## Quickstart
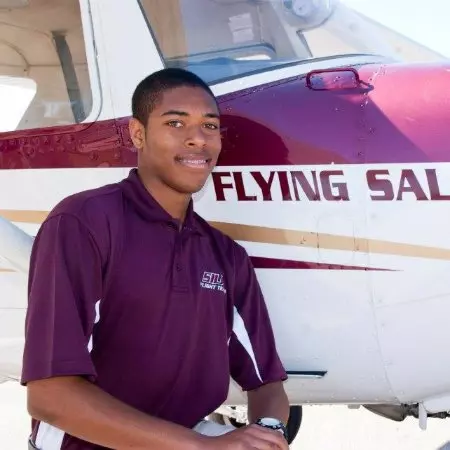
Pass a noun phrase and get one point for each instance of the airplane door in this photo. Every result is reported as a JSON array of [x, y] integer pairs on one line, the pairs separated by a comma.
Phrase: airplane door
[[51, 129]]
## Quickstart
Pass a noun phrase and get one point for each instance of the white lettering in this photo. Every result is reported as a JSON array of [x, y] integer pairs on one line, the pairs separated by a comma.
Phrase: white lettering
[[213, 281]]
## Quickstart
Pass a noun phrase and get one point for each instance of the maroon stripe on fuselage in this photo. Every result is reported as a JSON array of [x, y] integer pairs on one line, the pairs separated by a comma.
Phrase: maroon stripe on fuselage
[[399, 115], [105, 144]]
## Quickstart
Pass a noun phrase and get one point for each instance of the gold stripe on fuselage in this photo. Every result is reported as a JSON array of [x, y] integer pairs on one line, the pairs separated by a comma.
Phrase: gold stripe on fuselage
[[24, 216], [250, 233], [265, 235]]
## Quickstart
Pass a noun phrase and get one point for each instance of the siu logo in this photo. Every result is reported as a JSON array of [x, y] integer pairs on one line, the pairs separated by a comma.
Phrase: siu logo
[[213, 281]]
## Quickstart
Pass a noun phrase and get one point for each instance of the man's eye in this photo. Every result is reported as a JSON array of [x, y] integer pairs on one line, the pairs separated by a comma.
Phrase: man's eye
[[211, 126], [175, 123]]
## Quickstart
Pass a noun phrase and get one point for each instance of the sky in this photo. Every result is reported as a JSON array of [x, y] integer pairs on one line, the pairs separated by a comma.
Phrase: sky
[[425, 21]]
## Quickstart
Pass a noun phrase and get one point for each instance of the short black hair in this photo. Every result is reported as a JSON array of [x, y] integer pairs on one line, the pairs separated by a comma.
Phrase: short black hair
[[149, 90]]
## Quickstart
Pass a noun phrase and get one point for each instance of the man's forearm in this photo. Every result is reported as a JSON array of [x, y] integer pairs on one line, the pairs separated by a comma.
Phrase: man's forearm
[[268, 401], [83, 410]]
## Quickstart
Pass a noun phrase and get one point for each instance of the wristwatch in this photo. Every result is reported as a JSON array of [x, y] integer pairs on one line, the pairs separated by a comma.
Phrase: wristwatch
[[273, 424]]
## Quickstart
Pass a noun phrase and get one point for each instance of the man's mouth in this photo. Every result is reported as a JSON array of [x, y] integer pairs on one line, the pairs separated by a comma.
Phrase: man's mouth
[[194, 162]]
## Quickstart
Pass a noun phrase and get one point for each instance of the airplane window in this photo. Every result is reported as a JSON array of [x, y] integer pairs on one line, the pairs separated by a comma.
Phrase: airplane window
[[43, 68], [221, 39], [17, 95]]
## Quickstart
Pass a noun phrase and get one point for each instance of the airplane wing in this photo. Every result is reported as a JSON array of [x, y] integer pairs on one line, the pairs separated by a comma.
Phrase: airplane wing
[[15, 249]]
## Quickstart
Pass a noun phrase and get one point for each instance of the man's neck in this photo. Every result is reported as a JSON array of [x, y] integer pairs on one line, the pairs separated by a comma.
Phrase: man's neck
[[175, 203]]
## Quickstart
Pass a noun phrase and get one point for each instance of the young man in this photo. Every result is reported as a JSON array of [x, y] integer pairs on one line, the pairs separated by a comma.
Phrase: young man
[[139, 311]]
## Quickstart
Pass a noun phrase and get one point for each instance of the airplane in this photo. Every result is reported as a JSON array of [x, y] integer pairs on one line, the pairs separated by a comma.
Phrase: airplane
[[335, 130]]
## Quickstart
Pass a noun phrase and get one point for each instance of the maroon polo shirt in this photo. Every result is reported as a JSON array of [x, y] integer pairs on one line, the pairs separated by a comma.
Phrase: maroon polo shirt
[[159, 318]]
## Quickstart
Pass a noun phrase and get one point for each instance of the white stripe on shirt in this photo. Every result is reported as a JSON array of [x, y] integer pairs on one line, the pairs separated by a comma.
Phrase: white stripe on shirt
[[242, 335], [49, 437]]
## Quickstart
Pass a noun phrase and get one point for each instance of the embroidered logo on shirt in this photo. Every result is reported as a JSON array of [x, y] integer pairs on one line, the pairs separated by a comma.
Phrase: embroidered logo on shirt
[[213, 281]]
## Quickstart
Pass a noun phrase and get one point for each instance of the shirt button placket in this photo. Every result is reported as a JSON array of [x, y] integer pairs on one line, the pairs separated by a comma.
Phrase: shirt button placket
[[179, 278]]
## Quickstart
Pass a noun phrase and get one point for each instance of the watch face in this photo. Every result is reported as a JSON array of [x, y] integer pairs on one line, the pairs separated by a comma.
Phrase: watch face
[[270, 422]]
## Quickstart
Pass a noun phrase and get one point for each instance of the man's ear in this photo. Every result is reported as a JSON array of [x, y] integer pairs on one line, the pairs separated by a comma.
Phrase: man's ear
[[137, 133]]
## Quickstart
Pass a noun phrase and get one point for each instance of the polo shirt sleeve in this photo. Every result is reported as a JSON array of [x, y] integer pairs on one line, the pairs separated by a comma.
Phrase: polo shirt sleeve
[[64, 286], [254, 360]]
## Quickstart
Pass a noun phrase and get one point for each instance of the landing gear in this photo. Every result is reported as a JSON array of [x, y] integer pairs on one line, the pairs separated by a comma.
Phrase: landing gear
[[237, 416], [401, 412]]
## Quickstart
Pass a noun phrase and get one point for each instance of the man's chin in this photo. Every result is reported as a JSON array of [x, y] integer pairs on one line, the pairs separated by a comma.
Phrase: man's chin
[[189, 188]]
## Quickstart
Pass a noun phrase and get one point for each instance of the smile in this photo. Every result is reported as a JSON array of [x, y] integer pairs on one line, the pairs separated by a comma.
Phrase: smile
[[194, 163]]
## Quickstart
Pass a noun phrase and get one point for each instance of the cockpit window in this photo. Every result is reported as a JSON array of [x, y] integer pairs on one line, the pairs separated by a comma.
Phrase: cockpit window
[[44, 74], [221, 39]]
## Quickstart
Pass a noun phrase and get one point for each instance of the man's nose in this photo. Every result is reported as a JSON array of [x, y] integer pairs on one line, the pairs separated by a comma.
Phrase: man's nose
[[195, 137]]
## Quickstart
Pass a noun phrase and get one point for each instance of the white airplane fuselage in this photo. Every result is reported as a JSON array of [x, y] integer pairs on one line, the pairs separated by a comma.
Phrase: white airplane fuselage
[[340, 196]]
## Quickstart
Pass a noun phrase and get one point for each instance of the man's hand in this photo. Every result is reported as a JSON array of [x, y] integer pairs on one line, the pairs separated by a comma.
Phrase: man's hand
[[251, 437]]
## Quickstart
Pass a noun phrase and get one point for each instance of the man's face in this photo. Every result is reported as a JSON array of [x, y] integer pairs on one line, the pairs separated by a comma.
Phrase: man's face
[[181, 141]]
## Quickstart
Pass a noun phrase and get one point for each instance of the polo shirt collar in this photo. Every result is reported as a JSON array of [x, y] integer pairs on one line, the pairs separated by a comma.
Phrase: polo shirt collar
[[150, 209]]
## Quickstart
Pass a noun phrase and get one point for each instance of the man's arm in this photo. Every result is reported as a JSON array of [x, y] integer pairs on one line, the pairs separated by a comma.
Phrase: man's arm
[[269, 400], [83, 410], [65, 291], [254, 360]]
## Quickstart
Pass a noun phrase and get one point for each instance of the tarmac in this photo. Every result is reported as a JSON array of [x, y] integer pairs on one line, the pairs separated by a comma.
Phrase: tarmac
[[323, 428]]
